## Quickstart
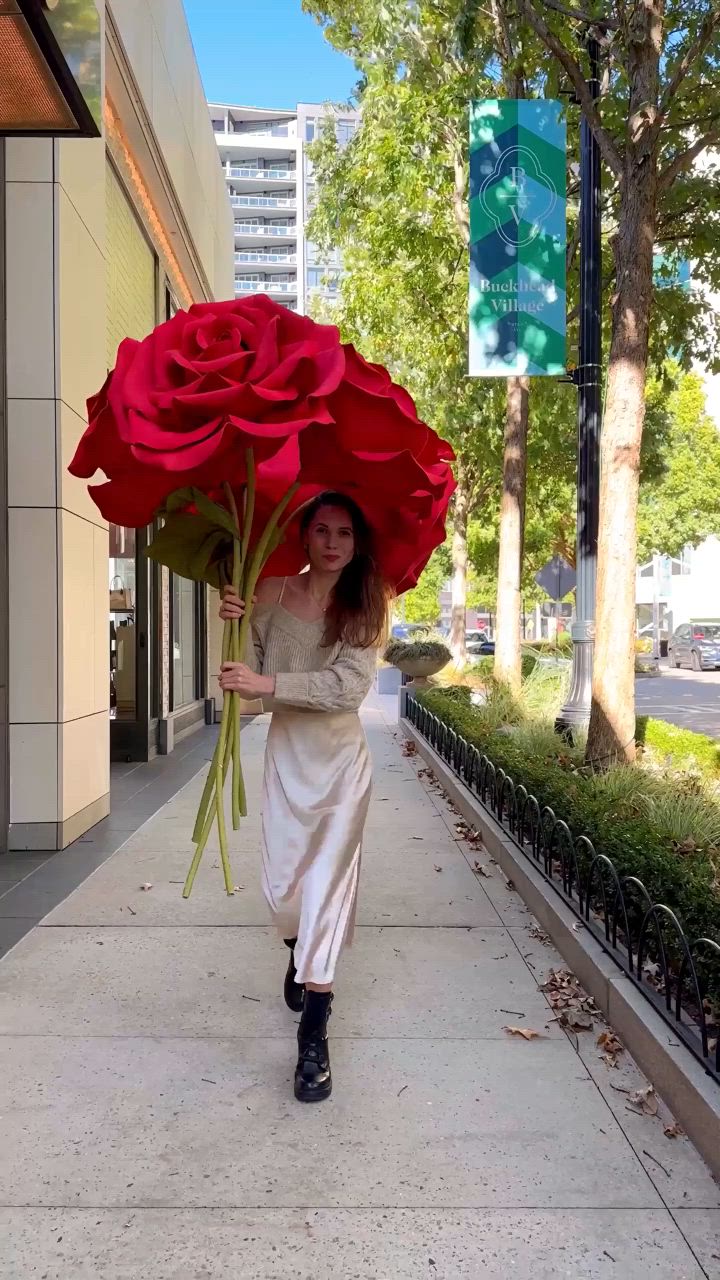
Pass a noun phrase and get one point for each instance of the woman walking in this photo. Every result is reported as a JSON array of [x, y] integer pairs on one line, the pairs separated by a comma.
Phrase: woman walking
[[313, 659]]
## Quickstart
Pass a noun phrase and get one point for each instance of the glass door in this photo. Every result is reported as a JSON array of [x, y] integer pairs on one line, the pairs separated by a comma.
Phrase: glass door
[[128, 628]]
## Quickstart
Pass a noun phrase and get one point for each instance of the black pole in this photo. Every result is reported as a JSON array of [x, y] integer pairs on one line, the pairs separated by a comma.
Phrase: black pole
[[588, 377]]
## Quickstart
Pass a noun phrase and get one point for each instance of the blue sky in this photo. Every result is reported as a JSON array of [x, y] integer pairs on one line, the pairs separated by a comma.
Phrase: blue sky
[[265, 53]]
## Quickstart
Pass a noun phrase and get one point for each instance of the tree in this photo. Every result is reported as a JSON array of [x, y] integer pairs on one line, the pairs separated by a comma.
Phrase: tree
[[682, 507], [660, 112], [508, 42], [395, 201], [423, 603]]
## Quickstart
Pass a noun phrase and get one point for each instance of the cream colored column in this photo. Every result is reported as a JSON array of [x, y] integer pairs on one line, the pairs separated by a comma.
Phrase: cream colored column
[[58, 544]]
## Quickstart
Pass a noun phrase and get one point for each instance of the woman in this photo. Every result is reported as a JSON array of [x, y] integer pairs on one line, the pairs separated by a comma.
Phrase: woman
[[313, 660]]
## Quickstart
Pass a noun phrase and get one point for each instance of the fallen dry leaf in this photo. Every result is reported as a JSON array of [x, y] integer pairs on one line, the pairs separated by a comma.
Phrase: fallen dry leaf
[[482, 871], [525, 1032], [537, 933], [577, 1019], [409, 748], [611, 1046], [438, 868], [644, 1101], [146, 887], [673, 1130]]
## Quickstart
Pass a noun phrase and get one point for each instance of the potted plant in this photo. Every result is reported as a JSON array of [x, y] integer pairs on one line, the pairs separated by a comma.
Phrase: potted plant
[[418, 659], [646, 664]]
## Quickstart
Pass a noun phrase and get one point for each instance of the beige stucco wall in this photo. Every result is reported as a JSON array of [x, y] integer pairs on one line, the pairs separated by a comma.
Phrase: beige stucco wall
[[58, 543], [157, 41], [57, 273]]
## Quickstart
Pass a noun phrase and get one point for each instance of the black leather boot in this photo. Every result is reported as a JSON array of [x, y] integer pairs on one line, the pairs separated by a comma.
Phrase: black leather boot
[[313, 1080], [294, 991]]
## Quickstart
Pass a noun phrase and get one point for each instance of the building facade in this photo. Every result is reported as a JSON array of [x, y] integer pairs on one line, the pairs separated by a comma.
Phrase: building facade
[[269, 177], [103, 238]]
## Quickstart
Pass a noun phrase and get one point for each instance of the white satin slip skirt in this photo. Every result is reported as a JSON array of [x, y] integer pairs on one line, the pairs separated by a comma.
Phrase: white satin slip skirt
[[316, 792]]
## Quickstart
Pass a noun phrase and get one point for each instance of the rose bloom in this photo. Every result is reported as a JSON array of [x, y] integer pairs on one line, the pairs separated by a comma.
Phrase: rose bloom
[[183, 406]]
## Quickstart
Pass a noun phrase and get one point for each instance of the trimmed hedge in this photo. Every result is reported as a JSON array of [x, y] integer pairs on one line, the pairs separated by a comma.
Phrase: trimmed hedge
[[689, 883]]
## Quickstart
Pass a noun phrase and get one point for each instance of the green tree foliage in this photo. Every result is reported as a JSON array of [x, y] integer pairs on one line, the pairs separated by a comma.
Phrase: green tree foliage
[[658, 115], [682, 505], [395, 201], [423, 604]]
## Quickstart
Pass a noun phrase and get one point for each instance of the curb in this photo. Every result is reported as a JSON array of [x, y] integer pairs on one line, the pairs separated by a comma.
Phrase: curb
[[691, 1094]]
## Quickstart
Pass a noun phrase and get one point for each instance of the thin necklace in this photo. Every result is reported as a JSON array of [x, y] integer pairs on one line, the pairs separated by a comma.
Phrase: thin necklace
[[322, 607]]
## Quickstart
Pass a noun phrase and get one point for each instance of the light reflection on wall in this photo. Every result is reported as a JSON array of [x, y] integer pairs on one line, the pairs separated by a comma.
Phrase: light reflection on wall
[[115, 131]]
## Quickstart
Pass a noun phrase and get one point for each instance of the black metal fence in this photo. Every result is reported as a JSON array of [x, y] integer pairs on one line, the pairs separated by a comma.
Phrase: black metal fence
[[645, 938]]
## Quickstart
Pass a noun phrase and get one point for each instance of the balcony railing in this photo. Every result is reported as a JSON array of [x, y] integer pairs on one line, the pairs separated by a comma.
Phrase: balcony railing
[[266, 175], [257, 255], [252, 130], [265, 286], [276, 229], [264, 202]]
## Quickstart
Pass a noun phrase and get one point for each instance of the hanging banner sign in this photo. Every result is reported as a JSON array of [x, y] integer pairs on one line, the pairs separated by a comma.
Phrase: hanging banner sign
[[517, 238]]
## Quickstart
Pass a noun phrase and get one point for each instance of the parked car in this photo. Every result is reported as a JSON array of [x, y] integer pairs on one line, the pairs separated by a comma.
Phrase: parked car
[[479, 645], [696, 645], [406, 630]]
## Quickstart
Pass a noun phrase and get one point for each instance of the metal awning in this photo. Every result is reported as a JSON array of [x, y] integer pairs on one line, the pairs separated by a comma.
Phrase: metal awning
[[50, 68]]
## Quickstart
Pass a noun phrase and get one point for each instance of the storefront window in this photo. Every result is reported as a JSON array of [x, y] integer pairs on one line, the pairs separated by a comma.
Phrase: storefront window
[[123, 623], [184, 638]]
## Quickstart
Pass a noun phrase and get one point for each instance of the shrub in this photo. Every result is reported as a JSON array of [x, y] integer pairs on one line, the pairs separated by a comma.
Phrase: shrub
[[545, 689], [650, 826]]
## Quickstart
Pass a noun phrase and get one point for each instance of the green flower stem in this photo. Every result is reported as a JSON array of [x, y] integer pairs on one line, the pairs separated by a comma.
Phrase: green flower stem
[[225, 729], [210, 780], [264, 548], [240, 550], [235, 639], [204, 834]]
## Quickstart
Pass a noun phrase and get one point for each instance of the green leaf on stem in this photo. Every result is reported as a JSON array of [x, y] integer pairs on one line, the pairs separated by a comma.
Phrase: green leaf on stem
[[193, 547], [212, 511]]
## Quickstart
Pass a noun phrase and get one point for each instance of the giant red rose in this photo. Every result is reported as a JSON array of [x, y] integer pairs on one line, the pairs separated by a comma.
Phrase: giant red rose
[[182, 407], [185, 411], [378, 452]]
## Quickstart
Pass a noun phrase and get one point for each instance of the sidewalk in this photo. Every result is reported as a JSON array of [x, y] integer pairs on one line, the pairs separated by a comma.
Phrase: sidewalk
[[146, 1061]]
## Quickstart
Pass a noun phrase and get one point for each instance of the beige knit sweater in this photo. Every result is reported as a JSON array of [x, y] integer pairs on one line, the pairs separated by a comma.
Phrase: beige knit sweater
[[308, 676]]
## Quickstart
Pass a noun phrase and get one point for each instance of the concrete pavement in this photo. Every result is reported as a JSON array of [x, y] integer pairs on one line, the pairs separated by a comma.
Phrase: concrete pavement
[[146, 1062]]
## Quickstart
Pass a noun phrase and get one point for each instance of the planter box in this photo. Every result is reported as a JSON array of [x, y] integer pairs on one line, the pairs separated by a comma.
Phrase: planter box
[[388, 680]]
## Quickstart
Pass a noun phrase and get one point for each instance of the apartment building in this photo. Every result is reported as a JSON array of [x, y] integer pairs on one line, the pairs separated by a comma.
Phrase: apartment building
[[271, 184]]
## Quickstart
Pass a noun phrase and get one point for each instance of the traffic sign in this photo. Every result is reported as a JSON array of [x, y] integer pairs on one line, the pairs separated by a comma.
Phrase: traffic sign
[[557, 578]]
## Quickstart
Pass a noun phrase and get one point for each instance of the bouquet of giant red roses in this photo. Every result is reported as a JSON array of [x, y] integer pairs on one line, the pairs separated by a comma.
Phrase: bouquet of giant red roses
[[226, 420]]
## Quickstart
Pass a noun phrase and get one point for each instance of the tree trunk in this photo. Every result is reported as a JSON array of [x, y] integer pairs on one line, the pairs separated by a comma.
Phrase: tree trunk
[[612, 719], [508, 664], [611, 735], [461, 507]]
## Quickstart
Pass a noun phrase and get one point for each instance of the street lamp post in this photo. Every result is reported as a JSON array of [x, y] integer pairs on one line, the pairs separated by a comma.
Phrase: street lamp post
[[588, 378]]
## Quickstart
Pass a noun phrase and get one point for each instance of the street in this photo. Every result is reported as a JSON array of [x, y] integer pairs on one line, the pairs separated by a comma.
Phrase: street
[[685, 698]]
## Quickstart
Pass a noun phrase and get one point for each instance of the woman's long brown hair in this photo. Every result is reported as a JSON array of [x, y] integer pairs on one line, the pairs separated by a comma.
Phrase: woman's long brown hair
[[358, 611]]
